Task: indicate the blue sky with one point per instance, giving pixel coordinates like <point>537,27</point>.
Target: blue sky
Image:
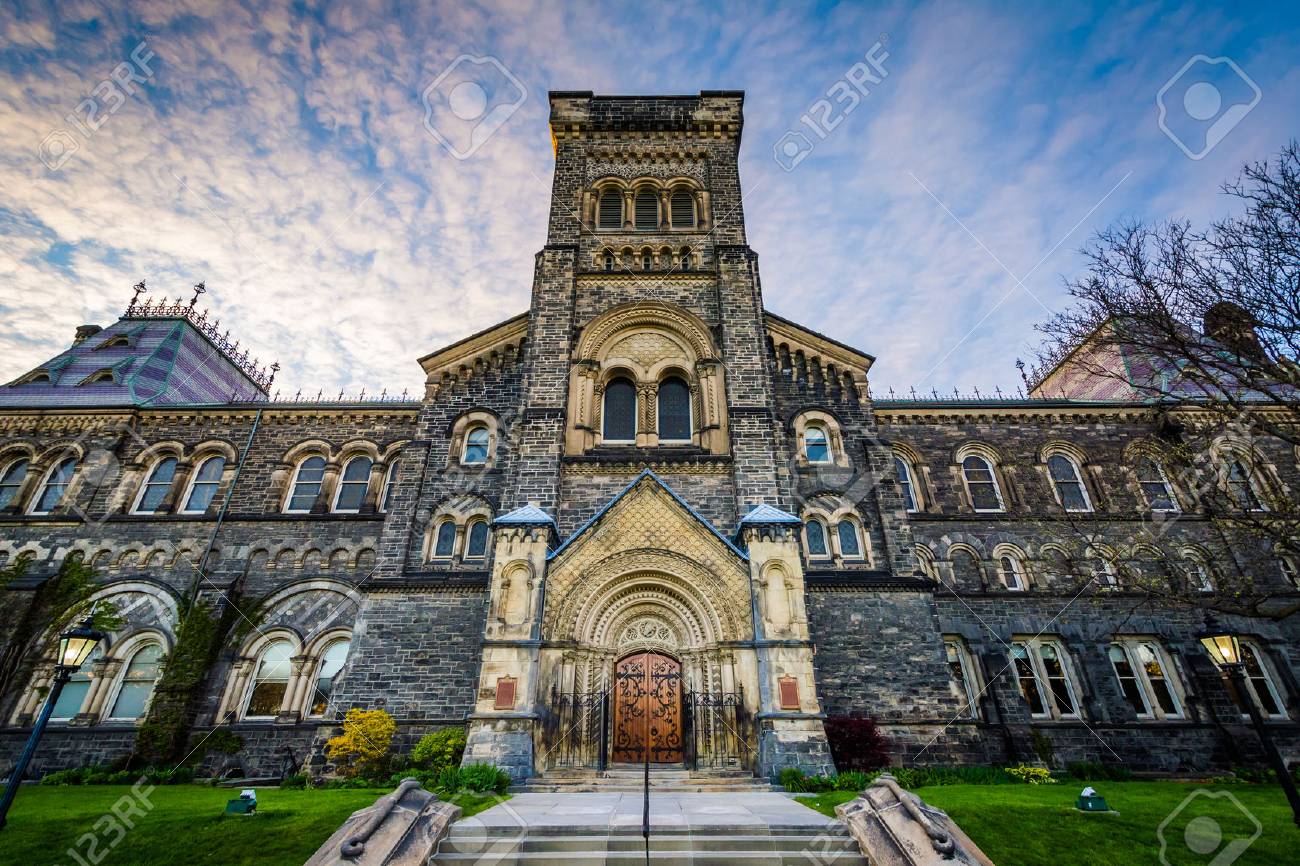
<point>277,151</point>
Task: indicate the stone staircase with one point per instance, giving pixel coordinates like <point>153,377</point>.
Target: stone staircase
<point>631,780</point>
<point>469,844</point>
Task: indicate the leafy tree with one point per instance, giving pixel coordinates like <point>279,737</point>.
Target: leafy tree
<point>362,749</point>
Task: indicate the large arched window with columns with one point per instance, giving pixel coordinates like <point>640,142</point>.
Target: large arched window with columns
<point>270,682</point>
<point>647,373</point>
<point>135,688</point>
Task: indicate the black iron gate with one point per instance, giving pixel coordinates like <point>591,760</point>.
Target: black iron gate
<point>718,731</point>
<point>579,724</point>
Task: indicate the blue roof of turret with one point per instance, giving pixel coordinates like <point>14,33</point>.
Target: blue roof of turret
<point>765,513</point>
<point>528,515</point>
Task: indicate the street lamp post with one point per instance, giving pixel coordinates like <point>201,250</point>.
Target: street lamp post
<point>1224,648</point>
<point>75,646</point>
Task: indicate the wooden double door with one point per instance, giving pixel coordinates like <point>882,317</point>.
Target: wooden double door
<point>648,709</point>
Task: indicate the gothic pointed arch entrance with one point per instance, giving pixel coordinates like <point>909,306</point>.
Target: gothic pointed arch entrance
<point>647,701</point>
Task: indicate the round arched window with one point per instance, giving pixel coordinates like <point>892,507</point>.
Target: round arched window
<point>674,410</point>
<point>620,411</point>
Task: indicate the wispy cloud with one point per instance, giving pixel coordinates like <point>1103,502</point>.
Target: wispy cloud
<point>278,153</point>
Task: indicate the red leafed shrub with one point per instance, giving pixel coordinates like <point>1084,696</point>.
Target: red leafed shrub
<point>856,744</point>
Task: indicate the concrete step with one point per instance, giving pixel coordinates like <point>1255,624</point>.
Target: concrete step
<point>660,858</point>
<point>623,780</point>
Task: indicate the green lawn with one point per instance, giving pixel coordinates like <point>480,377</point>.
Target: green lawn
<point>186,825</point>
<point>1037,825</point>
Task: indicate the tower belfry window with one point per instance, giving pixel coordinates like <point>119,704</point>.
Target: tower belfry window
<point>683,209</point>
<point>610,210</point>
<point>647,211</point>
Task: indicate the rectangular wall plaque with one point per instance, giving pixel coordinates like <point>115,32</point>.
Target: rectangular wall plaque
<point>505,694</point>
<point>789,693</point>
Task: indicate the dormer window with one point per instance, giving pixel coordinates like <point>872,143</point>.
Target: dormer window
<point>99,377</point>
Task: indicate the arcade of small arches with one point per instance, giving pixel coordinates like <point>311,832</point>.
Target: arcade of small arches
<point>646,204</point>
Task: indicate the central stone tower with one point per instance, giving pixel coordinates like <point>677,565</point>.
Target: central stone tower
<point>646,588</point>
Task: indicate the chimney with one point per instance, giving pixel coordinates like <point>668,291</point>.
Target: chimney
<point>84,333</point>
<point>1234,328</point>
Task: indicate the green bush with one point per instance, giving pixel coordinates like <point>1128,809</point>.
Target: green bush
<point>1031,775</point>
<point>853,780</point>
<point>438,750</point>
<point>105,775</point>
<point>294,782</point>
<point>449,781</point>
<point>484,777</point>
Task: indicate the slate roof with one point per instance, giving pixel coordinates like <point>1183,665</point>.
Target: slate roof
<point>768,514</point>
<point>528,515</point>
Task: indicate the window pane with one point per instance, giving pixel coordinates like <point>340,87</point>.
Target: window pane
<point>271,680</point>
<point>386,498</point>
<point>815,447</point>
<point>74,693</point>
<point>1056,680</point>
<point>611,210</point>
<point>848,539</point>
<point>353,484</point>
<point>476,445</point>
<point>1027,679</point>
<point>331,664</point>
<point>1128,683</point>
<point>307,484</point>
<point>446,539</point>
<point>674,410</point>
<point>620,411</point>
<point>137,684</point>
<point>478,534</point>
<point>1155,488</point>
<point>981,484</point>
<point>1069,488</point>
<point>957,667</point>
<point>11,481</point>
<point>206,481</point>
<point>1259,681</point>
<point>1010,570</point>
<point>683,209</point>
<point>1240,487</point>
<point>156,486</point>
<point>56,484</point>
<point>816,538</point>
<point>904,473</point>
<point>647,211</point>
<point>1149,658</point>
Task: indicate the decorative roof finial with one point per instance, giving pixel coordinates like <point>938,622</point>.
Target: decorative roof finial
<point>199,289</point>
<point>1020,365</point>
<point>138,290</point>
<point>275,368</point>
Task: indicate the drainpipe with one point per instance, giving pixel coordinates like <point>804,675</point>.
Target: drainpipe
<point>200,569</point>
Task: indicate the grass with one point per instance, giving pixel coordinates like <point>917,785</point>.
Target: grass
<point>1037,825</point>
<point>186,824</point>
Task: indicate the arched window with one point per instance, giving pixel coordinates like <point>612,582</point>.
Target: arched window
<point>11,482</point>
<point>908,488</point>
<point>608,261</point>
<point>815,535</point>
<point>445,542</point>
<point>76,689</point>
<point>686,258</point>
<point>1011,571</point>
<point>1143,679</point>
<point>647,260</point>
<point>683,209</point>
<point>816,445</point>
<point>620,411</point>
<point>1259,682</point>
<point>270,682</point>
<point>154,490</point>
<point>476,546</point>
<point>137,683</point>
<point>610,211</point>
<point>1289,571</point>
<point>1199,578</point>
<point>959,663</point>
<point>981,484</point>
<point>331,663</point>
<point>475,452</point>
<point>1067,483</point>
<point>674,411</point>
<point>307,480</point>
<point>1241,485</point>
<point>925,559</point>
<point>353,483</point>
<point>1043,678</point>
<point>850,543</point>
<point>1156,489</point>
<point>647,211</point>
<point>55,486</point>
<point>965,569</point>
<point>203,485</point>
<point>386,496</point>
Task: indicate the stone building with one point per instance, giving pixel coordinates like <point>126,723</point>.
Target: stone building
<point>647,514</point>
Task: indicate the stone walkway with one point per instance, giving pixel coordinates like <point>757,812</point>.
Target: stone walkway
<point>578,812</point>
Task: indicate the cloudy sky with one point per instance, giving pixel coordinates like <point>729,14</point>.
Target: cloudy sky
<point>278,151</point>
